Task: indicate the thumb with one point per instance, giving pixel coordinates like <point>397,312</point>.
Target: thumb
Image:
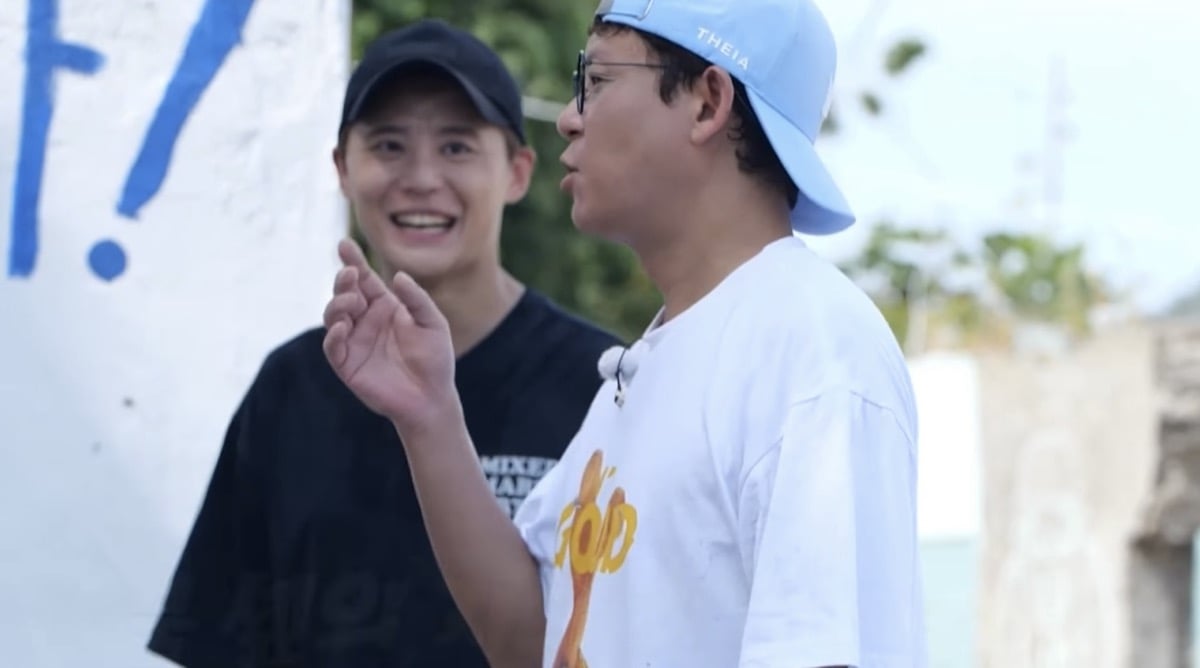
<point>418,302</point>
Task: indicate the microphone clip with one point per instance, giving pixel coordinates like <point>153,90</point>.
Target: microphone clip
<point>620,364</point>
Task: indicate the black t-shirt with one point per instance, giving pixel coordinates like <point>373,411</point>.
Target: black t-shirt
<point>309,549</point>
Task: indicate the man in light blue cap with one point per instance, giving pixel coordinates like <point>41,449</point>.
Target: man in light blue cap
<point>742,491</point>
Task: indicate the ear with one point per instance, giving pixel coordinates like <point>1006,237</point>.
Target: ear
<point>521,169</point>
<point>339,163</point>
<point>714,99</point>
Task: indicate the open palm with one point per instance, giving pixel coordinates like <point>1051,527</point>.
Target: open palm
<point>390,347</point>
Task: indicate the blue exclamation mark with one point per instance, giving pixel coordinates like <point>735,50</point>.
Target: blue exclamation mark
<point>213,37</point>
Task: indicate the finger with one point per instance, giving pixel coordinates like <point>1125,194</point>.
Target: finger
<point>369,282</point>
<point>346,280</point>
<point>371,285</point>
<point>418,302</point>
<point>349,306</point>
<point>351,254</point>
<point>334,345</point>
<point>345,283</point>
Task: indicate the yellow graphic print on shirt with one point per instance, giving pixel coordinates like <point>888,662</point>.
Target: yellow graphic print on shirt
<point>590,541</point>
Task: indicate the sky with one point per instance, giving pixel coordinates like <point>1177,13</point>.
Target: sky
<point>964,139</point>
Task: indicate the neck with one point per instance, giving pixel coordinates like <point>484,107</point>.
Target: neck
<point>710,239</point>
<point>474,303</point>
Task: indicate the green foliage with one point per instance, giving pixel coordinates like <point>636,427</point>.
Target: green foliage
<point>898,60</point>
<point>538,40</point>
<point>871,103</point>
<point>976,294</point>
<point>1017,277</point>
<point>901,267</point>
<point>1042,281</point>
<point>902,55</point>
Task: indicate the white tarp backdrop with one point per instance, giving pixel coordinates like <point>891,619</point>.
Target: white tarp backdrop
<point>168,213</point>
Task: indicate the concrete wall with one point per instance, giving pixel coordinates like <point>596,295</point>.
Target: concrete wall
<point>1069,461</point>
<point>168,212</point>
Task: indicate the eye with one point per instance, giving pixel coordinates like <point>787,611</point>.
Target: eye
<point>456,148</point>
<point>387,146</point>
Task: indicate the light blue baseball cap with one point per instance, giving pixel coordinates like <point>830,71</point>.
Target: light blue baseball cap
<point>783,52</point>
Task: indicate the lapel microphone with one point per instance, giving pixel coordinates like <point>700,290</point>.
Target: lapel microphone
<point>620,364</point>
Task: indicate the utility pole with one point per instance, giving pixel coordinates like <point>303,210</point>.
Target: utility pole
<point>1057,134</point>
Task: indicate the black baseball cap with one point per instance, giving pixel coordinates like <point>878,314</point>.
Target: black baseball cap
<point>433,42</point>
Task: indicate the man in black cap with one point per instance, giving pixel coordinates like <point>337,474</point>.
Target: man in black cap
<point>310,548</point>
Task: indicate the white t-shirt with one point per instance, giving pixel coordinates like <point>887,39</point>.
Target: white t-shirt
<point>752,503</point>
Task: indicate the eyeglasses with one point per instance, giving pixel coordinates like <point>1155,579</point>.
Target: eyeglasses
<point>580,75</point>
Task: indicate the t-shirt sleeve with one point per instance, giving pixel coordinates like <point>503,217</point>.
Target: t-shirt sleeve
<point>827,532</point>
<point>217,610</point>
<point>537,523</point>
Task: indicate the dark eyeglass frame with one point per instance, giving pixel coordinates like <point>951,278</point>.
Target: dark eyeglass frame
<point>580,74</point>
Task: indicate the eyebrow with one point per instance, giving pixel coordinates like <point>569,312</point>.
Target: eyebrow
<point>590,60</point>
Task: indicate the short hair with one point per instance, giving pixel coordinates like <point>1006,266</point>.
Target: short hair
<point>681,69</point>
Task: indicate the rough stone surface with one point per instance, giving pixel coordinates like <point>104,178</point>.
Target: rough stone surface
<point>1174,513</point>
<point>1160,568</point>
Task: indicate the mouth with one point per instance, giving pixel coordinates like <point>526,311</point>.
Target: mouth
<point>423,222</point>
<point>567,161</point>
<point>571,171</point>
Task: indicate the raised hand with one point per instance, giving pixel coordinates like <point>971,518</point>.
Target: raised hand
<point>392,348</point>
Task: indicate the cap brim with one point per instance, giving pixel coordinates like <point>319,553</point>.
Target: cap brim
<point>483,104</point>
<point>821,207</point>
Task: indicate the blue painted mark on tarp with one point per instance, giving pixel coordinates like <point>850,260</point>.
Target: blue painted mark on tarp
<point>107,259</point>
<point>44,53</point>
<point>215,34</point>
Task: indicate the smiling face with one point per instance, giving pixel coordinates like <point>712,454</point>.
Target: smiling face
<point>428,179</point>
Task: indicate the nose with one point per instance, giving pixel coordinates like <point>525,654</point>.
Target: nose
<point>570,122</point>
<point>421,175</point>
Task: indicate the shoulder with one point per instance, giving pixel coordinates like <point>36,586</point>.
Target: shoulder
<point>302,350</point>
<point>295,400</point>
<point>294,371</point>
<point>799,329</point>
<point>792,287</point>
<point>801,309</point>
<point>300,359</point>
<point>568,332</point>
<point>557,366</point>
<point>561,340</point>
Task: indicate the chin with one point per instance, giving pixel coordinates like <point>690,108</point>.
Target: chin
<point>584,220</point>
<point>423,265</point>
<point>592,224</point>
